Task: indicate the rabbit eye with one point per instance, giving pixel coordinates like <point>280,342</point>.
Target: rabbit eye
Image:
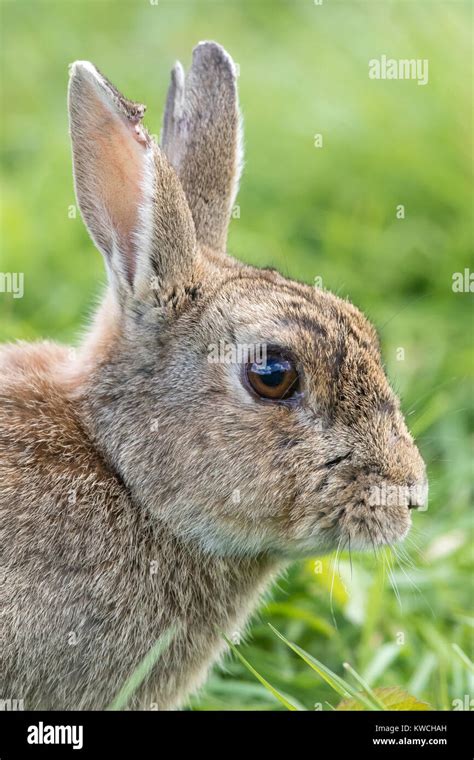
<point>275,380</point>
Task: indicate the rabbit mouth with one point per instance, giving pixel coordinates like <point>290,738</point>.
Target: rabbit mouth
<point>382,516</point>
<point>378,513</point>
<point>364,527</point>
<point>362,509</point>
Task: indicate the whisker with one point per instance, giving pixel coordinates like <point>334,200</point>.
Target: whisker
<point>393,581</point>
<point>429,393</point>
<point>403,556</point>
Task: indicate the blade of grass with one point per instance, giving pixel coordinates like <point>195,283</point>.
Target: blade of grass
<point>342,687</point>
<point>463,657</point>
<point>380,661</point>
<point>421,676</point>
<point>365,686</point>
<point>143,668</point>
<point>271,689</point>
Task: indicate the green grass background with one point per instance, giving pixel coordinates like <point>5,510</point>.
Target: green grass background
<point>327,212</point>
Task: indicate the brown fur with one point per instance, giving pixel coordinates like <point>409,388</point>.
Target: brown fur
<point>123,458</point>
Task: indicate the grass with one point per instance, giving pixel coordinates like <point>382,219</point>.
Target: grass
<point>312,212</point>
<point>140,673</point>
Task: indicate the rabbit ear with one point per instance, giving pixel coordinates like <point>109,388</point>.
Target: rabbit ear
<point>129,195</point>
<point>202,139</point>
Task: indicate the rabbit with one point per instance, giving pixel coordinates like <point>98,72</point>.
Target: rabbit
<point>147,491</point>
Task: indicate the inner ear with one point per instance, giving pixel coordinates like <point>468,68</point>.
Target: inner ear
<point>120,159</point>
<point>202,139</point>
<point>110,150</point>
<point>129,194</point>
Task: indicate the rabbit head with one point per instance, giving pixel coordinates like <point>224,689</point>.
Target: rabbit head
<point>249,412</point>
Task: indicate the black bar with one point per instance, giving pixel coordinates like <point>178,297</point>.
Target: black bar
<point>156,734</point>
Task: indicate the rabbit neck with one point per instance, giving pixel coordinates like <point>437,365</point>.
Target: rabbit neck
<point>166,583</point>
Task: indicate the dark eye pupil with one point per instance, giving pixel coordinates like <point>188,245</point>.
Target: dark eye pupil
<point>272,373</point>
<point>275,380</point>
